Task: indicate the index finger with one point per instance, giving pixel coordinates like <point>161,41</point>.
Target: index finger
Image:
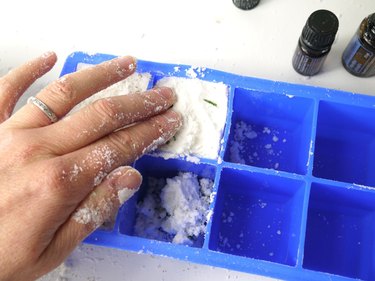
<point>63,94</point>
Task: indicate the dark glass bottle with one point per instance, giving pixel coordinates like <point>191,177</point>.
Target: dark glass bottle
<point>246,4</point>
<point>315,42</point>
<point>359,56</point>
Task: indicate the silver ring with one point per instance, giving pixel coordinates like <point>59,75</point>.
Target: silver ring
<point>43,107</point>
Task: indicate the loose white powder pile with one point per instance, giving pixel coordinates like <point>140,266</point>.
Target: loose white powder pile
<point>204,108</point>
<point>174,209</point>
<point>136,82</point>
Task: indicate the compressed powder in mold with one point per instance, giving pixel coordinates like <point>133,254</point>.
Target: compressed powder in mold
<point>203,106</point>
<point>175,209</point>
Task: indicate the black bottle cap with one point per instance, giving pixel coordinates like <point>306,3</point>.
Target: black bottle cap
<point>370,30</point>
<point>246,4</point>
<point>320,30</point>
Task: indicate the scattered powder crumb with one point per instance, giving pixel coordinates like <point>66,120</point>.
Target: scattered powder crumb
<point>251,135</point>
<point>175,209</point>
<point>242,132</point>
<point>193,159</point>
<point>262,204</point>
<point>278,232</point>
<point>194,72</point>
<point>191,73</point>
<point>227,218</point>
<point>253,144</point>
<point>209,214</point>
<point>204,121</point>
<point>219,160</point>
<point>236,150</point>
<point>266,130</point>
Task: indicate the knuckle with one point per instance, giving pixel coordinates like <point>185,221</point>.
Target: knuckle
<point>20,147</point>
<point>57,176</point>
<point>124,142</point>
<point>28,153</point>
<point>105,109</point>
<point>120,142</point>
<point>63,89</point>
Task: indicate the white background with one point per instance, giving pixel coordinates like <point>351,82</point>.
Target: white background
<point>210,33</point>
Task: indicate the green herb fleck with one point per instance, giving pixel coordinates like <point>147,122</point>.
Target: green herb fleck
<point>168,142</point>
<point>210,102</point>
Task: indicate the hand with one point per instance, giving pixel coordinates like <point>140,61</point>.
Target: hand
<point>60,181</point>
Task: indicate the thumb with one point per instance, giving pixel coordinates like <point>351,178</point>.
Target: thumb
<point>99,206</point>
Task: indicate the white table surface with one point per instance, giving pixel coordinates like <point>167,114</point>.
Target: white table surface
<point>210,33</point>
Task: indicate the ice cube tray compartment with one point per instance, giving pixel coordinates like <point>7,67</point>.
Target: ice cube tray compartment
<point>258,216</point>
<point>277,131</point>
<point>345,143</point>
<point>341,224</point>
<point>159,168</point>
<point>294,197</point>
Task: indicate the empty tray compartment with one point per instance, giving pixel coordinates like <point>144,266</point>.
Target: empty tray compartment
<point>270,130</point>
<point>257,216</point>
<point>345,143</point>
<point>340,235</point>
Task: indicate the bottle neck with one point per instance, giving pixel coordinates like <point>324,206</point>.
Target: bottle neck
<point>311,51</point>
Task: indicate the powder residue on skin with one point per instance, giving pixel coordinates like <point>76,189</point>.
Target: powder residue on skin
<point>136,82</point>
<point>154,145</point>
<point>124,194</point>
<point>203,106</point>
<point>88,215</point>
<point>174,209</point>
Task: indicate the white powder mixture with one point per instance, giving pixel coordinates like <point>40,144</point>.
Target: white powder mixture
<point>136,82</point>
<point>204,108</point>
<point>174,209</point>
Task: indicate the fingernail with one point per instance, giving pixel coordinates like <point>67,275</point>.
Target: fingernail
<point>175,118</point>
<point>128,63</point>
<point>47,54</point>
<point>127,184</point>
<point>167,93</point>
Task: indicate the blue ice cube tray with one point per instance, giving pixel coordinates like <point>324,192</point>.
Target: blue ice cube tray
<point>306,211</point>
